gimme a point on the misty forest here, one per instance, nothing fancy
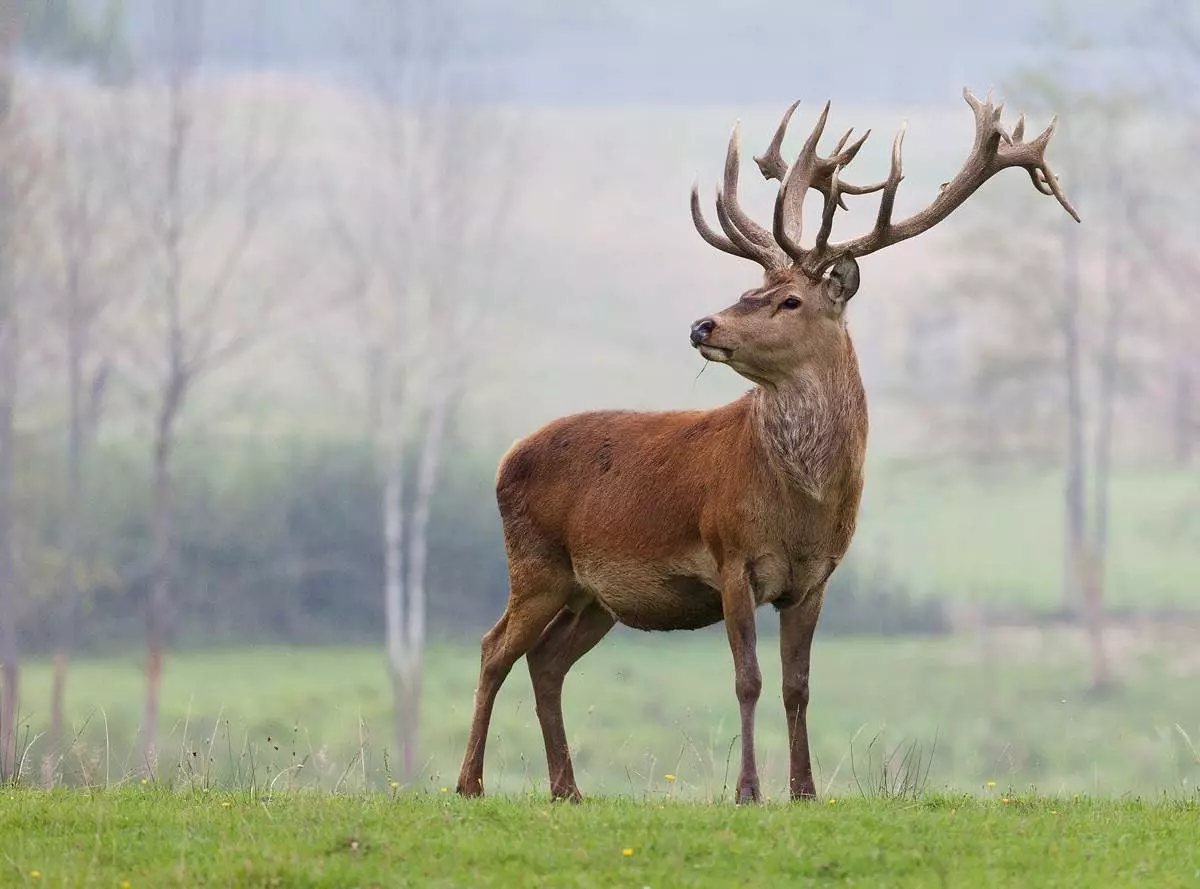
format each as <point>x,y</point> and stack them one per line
<point>281,283</point>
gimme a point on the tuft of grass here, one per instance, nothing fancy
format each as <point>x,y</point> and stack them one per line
<point>146,836</point>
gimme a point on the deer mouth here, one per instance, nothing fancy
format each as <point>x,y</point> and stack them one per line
<point>715,353</point>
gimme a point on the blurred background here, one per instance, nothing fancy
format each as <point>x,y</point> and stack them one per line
<point>281,280</point>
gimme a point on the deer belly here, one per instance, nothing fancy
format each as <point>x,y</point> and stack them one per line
<point>653,597</point>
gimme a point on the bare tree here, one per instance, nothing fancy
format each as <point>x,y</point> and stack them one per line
<point>430,229</point>
<point>10,23</point>
<point>197,215</point>
<point>82,224</point>
<point>1044,367</point>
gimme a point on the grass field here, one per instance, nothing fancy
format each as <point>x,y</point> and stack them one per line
<point>656,715</point>
<point>142,837</point>
<point>997,540</point>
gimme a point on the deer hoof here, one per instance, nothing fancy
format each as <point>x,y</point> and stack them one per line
<point>748,793</point>
<point>470,789</point>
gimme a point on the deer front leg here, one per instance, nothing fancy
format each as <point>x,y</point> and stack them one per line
<point>738,606</point>
<point>796,628</point>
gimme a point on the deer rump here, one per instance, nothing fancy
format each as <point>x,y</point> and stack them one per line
<point>623,509</point>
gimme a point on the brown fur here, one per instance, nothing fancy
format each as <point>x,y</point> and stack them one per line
<point>678,520</point>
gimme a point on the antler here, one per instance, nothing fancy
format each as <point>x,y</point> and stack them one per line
<point>993,150</point>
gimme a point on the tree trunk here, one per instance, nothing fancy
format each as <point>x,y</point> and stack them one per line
<point>428,465</point>
<point>72,519</point>
<point>1093,615</point>
<point>390,451</point>
<point>1075,490</point>
<point>406,701</point>
<point>1185,422</point>
<point>162,520</point>
<point>1106,394</point>
<point>9,592</point>
<point>10,670</point>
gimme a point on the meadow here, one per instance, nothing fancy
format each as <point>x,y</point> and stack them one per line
<point>993,539</point>
<point>654,716</point>
<point>139,837</point>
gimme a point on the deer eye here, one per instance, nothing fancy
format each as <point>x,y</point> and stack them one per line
<point>792,302</point>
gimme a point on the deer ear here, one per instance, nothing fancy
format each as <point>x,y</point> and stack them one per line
<point>842,281</point>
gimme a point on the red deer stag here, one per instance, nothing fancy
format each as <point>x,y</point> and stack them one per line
<point>678,520</point>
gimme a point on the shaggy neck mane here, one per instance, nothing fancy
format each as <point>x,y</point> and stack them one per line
<point>813,424</point>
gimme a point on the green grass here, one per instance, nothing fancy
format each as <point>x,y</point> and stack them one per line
<point>1006,707</point>
<point>141,837</point>
<point>997,540</point>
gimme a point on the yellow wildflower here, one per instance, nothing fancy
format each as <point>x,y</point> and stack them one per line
<point>626,852</point>
<point>669,777</point>
<point>991,784</point>
<point>832,801</point>
<point>395,784</point>
<point>445,790</point>
<point>225,804</point>
<point>34,874</point>
<point>125,884</point>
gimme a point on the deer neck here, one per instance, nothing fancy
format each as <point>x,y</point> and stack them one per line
<point>813,426</point>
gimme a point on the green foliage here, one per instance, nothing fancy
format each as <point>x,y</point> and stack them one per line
<point>280,542</point>
<point>145,836</point>
<point>860,601</point>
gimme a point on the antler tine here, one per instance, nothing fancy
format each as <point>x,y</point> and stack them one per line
<point>1042,167</point>
<point>832,200</point>
<point>711,237</point>
<point>1018,132</point>
<point>789,202</point>
<point>771,163</point>
<point>842,141</point>
<point>887,201</point>
<point>749,249</point>
<point>842,159</point>
<point>758,238</point>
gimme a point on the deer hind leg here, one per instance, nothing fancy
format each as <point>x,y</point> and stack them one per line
<point>535,598</point>
<point>568,638</point>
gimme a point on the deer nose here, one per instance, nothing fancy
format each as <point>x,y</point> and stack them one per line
<point>701,329</point>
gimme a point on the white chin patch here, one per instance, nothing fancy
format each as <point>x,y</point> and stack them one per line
<point>712,353</point>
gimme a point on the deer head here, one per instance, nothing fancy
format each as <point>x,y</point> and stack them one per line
<point>773,331</point>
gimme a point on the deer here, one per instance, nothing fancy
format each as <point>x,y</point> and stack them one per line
<point>678,520</point>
